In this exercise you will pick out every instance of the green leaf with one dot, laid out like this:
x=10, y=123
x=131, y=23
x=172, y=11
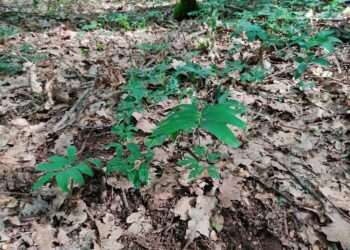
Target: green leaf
x=251, y=35
x=196, y=172
x=213, y=173
x=143, y=173
x=299, y=59
x=95, y=161
x=75, y=174
x=187, y=160
x=328, y=46
x=49, y=166
x=214, y=157
x=200, y=151
x=43, y=180
x=60, y=160
x=321, y=61
x=222, y=132
x=85, y=169
x=62, y=180
x=324, y=33
x=213, y=118
x=221, y=113
x=301, y=69
x=154, y=141
x=184, y=118
x=72, y=154
x=306, y=85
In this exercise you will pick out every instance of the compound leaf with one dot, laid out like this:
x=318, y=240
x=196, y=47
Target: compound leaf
x=222, y=132
x=222, y=113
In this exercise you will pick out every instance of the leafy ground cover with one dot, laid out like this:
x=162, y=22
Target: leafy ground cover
x=121, y=128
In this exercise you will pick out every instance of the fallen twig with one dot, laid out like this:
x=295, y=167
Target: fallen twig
x=60, y=125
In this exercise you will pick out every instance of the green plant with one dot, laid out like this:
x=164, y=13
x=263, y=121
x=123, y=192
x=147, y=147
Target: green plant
x=100, y=46
x=85, y=52
x=36, y=3
x=6, y=32
x=130, y=162
x=324, y=39
x=91, y=26
x=213, y=118
x=124, y=132
x=254, y=75
x=193, y=71
x=65, y=170
x=154, y=47
x=304, y=86
x=198, y=164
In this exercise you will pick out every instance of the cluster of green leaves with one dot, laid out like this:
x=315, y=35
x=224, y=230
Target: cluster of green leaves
x=131, y=162
x=153, y=47
x=157, y=84
x=324, y=39
x=199, y=165
x=12, y=64
x=116, y=20
x=65, y=170
x=6, y=32
x=213, y=118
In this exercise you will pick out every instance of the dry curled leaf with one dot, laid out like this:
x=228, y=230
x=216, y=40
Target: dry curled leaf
x=182, y=207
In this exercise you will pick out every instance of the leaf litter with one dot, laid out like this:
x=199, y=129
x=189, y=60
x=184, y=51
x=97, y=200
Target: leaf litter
x=287, y=196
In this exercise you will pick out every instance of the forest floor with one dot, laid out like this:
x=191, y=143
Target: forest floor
x=62, y=75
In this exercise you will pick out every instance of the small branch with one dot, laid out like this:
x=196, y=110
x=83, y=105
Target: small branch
x=59, y=125
x=125, y=200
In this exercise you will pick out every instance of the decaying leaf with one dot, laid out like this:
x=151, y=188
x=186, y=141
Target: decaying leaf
x=109, y=233
x=43, y=236
x=230, y=190
x=139, y=223
x=338, y=231
x=35, y=85
x=146, y=126
x=200, y=215
x=182, y=207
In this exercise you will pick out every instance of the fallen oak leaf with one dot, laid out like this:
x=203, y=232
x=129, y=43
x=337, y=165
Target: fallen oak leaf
x=145, y=126
x=338, y=231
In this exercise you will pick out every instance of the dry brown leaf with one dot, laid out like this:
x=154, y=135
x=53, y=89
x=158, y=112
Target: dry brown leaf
x=109, y=232
x=63, y=141
x=160, y=155
x=43, y=236
x=62, y=237
x=33, y=80
x=338, y=231
x=139, y=223
x=20, y=123
x=77, y=216
x=200, y=217
x=145, y=126
x=182, y=207
x=230, y=190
